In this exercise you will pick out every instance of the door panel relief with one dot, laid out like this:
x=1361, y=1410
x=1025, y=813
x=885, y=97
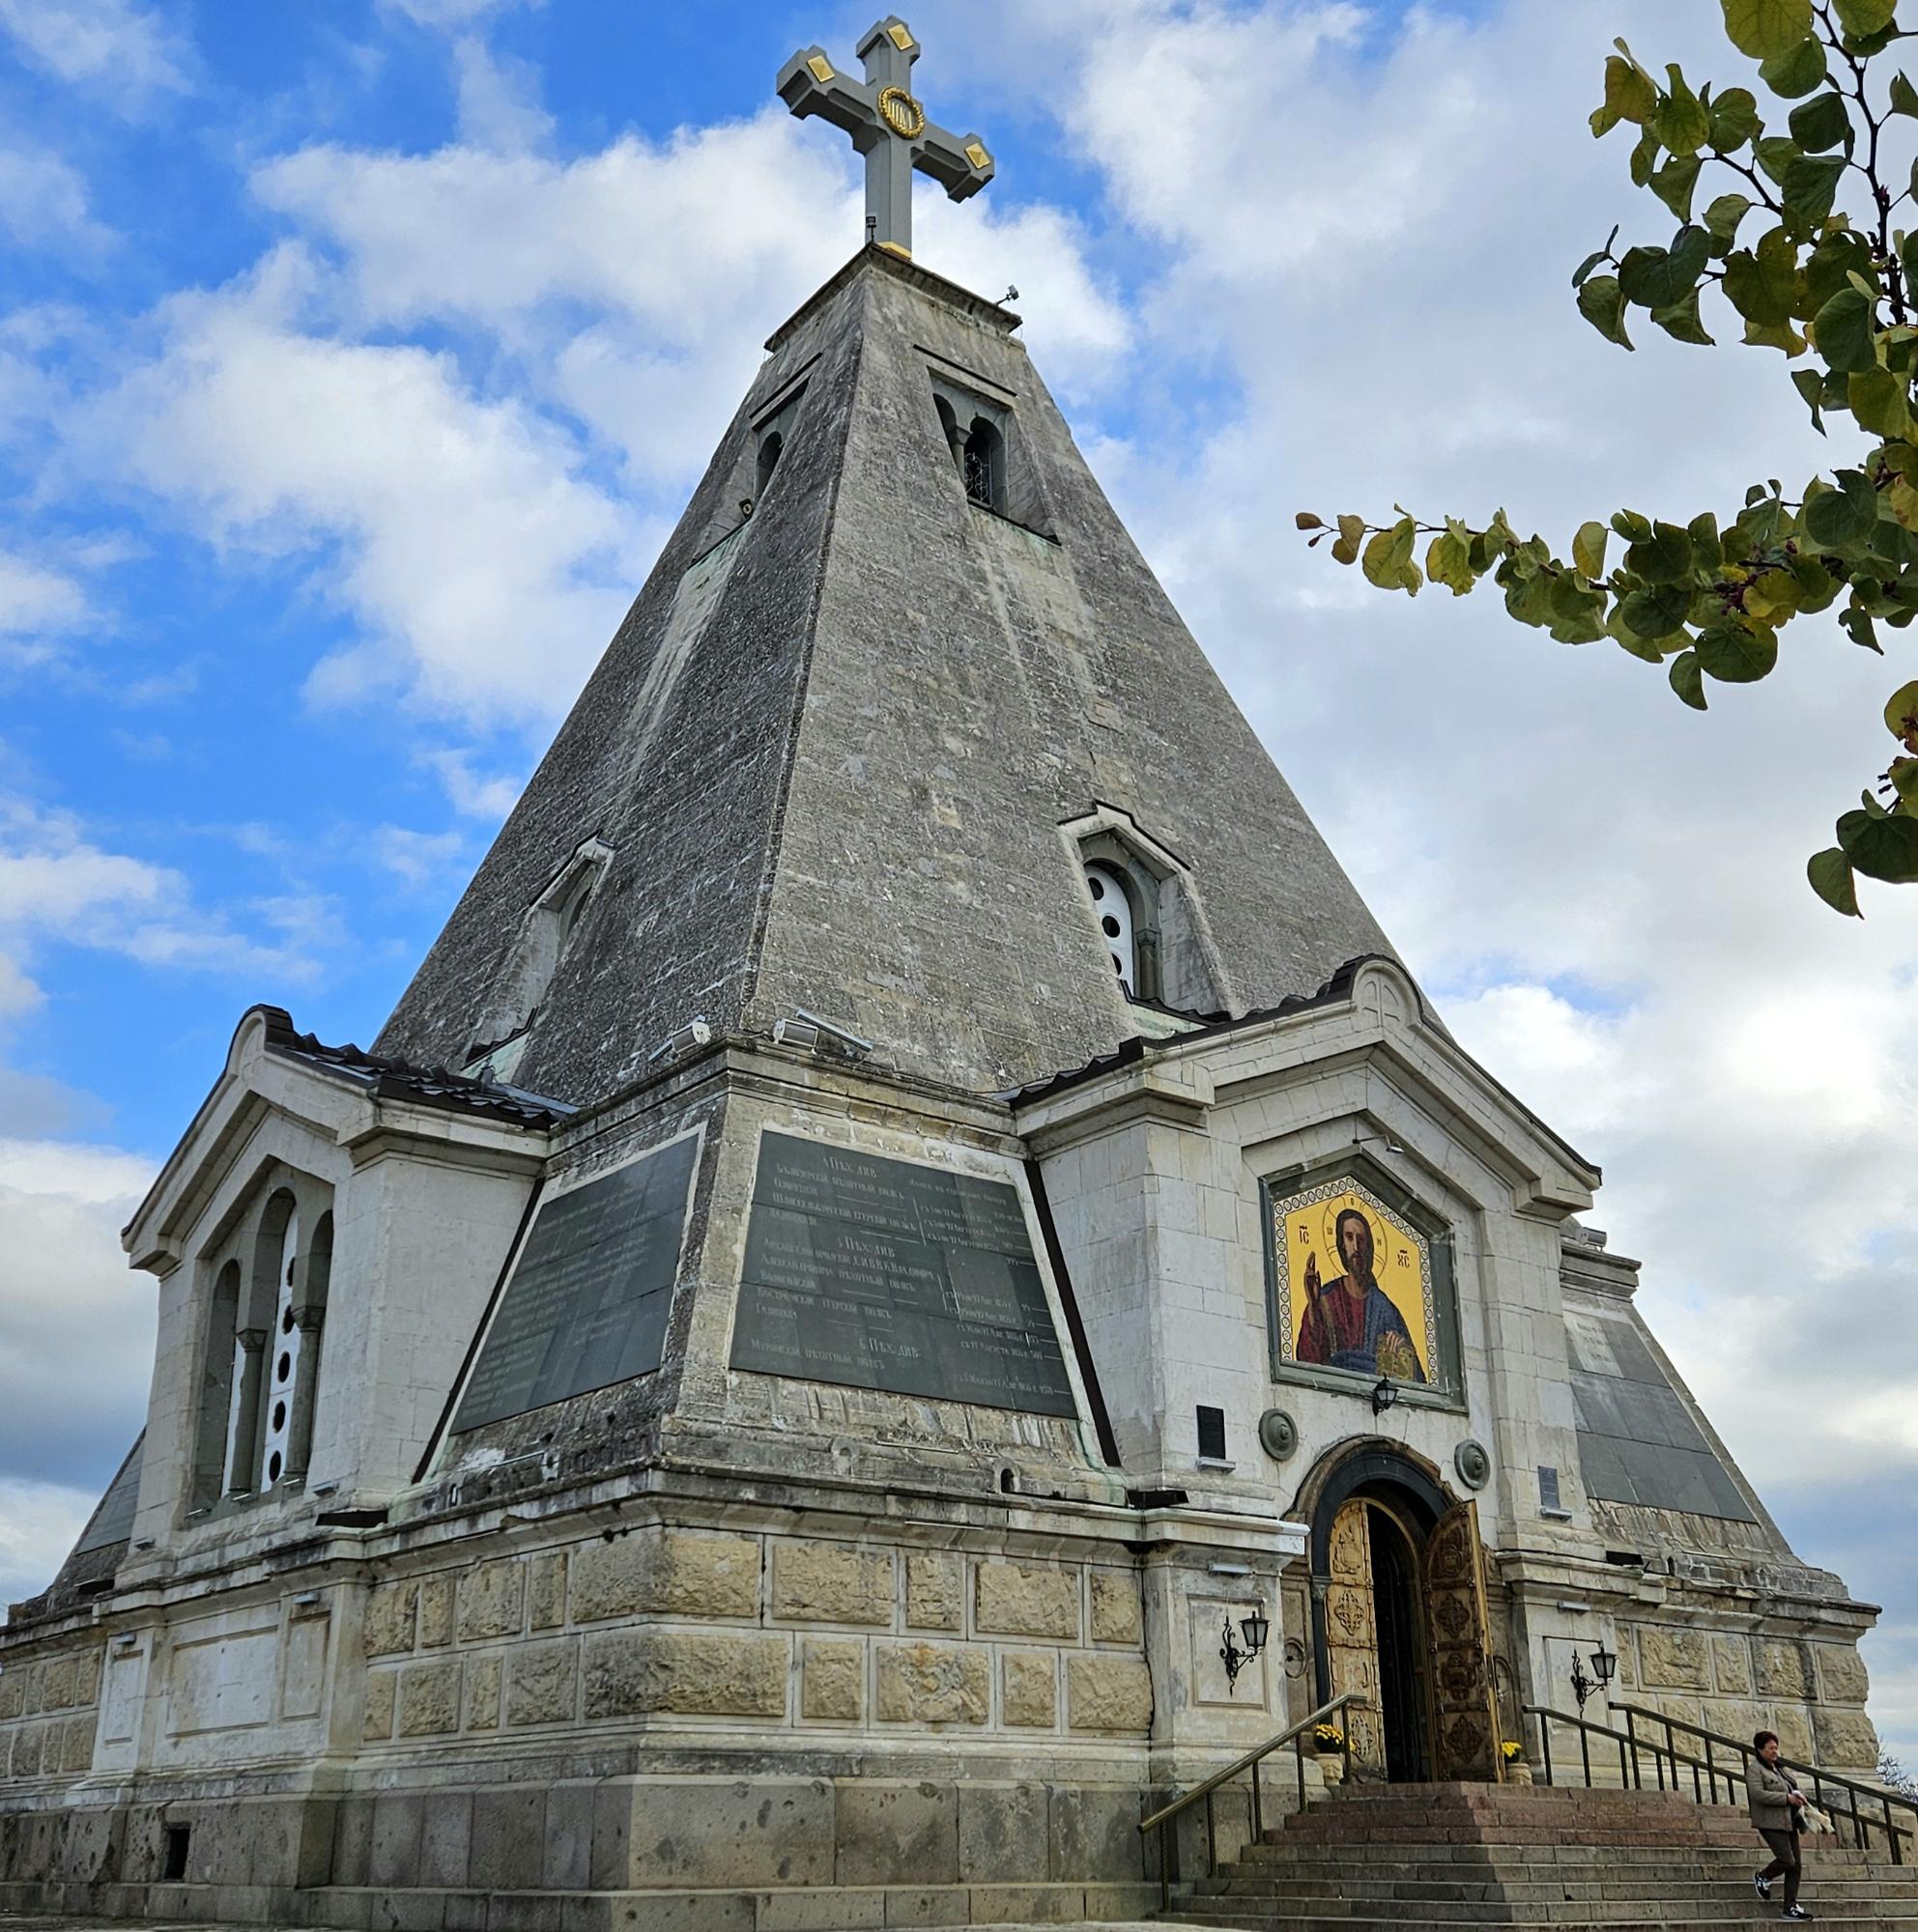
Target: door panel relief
x=1465, y=1740
x=1351, y=1635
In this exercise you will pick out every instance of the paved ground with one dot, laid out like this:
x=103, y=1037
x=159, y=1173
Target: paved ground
x=12, y=1921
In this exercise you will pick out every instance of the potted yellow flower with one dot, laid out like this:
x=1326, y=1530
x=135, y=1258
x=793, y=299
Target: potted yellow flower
x=1517, y=1771
x=1329, y=1740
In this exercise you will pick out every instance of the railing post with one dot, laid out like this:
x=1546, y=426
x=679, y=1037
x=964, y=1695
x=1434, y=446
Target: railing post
x=1299, y=1754
x=1165, y=1865
x=1710, y=1771
x=1585, y=1749
x=1632, y=1732
x=1545, y=1744
x=1258, y=1807
x=1212, y=1840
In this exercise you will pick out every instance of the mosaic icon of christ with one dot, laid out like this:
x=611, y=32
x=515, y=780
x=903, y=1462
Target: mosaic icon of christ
x=1350, y=1323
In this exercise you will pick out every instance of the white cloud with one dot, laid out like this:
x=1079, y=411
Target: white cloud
x=39, y=606
x=125, y=52
x=38, y=1523
x=418, y=857
x=498, y=101
x=474, y=794
x=43, y=204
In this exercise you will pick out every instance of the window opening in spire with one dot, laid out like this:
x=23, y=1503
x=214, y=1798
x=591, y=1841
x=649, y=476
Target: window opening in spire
x=949, y=428
x=770, y=447
x=984, y=464
x=1112, y=906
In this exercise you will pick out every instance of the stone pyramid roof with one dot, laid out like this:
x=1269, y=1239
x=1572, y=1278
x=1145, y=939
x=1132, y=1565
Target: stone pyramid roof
x=839, y=752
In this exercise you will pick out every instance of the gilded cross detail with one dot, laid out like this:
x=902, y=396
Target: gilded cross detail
x=888, y=125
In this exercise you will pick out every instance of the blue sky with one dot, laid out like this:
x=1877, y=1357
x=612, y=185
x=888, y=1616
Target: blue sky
x=353, y=368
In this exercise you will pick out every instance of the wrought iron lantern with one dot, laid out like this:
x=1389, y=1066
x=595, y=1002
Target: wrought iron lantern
x=1254, y=1629
x=1383, y=1394
x=1604, y=1665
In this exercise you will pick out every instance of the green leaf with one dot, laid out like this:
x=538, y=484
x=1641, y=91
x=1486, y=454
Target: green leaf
x=1818, y=587
x=1902, y=715
x=1588, y=550
x=1795, y=70
x=1674, y=183
x=1810, y=186
x=1903, y=97
x=1707, y=548
x=1843, y=331
x=1820, y=123
x=1834, y=517
x=1388, y=558
x=1656, y=613
x=1687, y=679
x=1734, y=118
x=1603, y=305
x=1811, y=386
x=1632, y=527
x=1764, y=28
x=1830, y=874
x=1881, y=848
x=1856, y=624
x=1581, y=273
x=1679, y=119
x=1775, y=154
x=1448, y=561
x=1658, y=277
x=1880, y=400
x=1665, y=558
x=1629, y=96
x=1734, y=655
x=1643, y=158
x=1861, y=17
x=1681, y=322
x=1757, y=290
x=1723, y=216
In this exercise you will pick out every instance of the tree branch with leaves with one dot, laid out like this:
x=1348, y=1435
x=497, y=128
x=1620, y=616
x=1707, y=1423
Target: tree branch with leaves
x=1838, y=299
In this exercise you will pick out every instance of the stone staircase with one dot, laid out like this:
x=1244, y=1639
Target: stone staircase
x=1448, y=1856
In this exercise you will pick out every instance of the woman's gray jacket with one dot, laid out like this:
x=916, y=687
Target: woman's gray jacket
x=1767, y=1795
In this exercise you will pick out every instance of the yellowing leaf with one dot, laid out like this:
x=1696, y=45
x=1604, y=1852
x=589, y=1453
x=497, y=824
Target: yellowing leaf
x=1351, y=534
x=1448, y=561
x=1766, y=28
x=1902, y=715
x=1588, y=550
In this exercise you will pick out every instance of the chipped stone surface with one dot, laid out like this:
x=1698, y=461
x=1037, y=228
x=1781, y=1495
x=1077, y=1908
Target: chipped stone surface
x=1678, y=1660
x=1842, y=1678
x=1107, y=1694
x=1793, y=1726
x=1024, y=1600
x=934, y=1591
x=832, y=1680
x=482, y=1692
x=546, y=1590
x=933, y=1684
x=1784, y=1669
x=719, y=1674
x=1116, y=1615
x=1029, y=1688
x=1846, y=1740
x=389, y=1619
x=429, y=1699
x=490, y=1599
x=1731, y=1663
x=673, y=1571
x=540, y=1682
x=381, y=1688
x=832, y=1583
x=436, y=1612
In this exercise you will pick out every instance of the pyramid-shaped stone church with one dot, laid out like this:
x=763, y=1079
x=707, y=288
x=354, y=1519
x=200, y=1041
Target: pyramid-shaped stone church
x=910, y=1210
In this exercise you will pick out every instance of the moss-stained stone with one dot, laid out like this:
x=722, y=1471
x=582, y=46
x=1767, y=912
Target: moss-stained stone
x=492, y=1599
x=389, y=1619
x=933, y=1684
x=429, y=1699
x=712, y=1673
x=934, y=1591
x=832, y=1583
x=1846, y=1740
x=13, y=1692
x=1678, y=1660
x=76, y=1736
x=86, y=1676
x=436, y=1612
x=1116, y=1615
x=832, y=1680
x=673, y=1571
x=1029, y=1688
x=482, y=1692
x=546, y=1590
x=540, y=1682
x=1023, y=1600
x=1731, y=1662
x=56, y=1686
x=26, y=1751
x=1739, y=1719
x=1793, y=1726
x=381, y=1686
x=1784, y=1669
x=1107, y=1694
x=1842, y=1678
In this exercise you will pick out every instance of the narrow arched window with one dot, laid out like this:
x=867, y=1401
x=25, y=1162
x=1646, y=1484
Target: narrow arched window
x=770, y=447
x=1112, y=906
x=985, y=463
x=949, y=428
x=218, y=1387
x=282, y=1358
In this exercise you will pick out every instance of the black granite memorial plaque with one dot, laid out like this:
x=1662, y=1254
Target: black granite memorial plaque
x=587, y=1300
x=880, y=1274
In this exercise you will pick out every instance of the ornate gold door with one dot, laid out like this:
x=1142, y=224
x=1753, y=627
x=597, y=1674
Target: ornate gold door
x=1465, y=1737
x=1352, y=1637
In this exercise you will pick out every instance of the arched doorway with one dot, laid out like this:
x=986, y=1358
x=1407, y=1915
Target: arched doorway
x=1399, y=1616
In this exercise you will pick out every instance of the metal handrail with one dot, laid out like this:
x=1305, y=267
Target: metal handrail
x=1294, y=1736
x=1707, y=1770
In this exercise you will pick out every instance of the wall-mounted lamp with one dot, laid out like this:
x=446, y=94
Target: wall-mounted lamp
x=1254, y=1629
x=1385, y=1141
x=696, y=1032
x=1383, y=1395
x=1604, y=1663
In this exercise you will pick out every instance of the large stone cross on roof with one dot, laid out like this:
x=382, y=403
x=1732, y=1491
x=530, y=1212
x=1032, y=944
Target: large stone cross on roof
x=888, y=125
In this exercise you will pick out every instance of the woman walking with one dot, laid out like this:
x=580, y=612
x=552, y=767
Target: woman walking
x=1776, y=1806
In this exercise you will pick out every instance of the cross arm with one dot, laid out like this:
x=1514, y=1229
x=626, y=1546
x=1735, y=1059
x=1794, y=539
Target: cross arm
x=959, y=163
x=809, y=84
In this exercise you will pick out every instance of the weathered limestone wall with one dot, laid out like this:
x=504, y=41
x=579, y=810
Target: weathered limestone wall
x=50, y=1709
